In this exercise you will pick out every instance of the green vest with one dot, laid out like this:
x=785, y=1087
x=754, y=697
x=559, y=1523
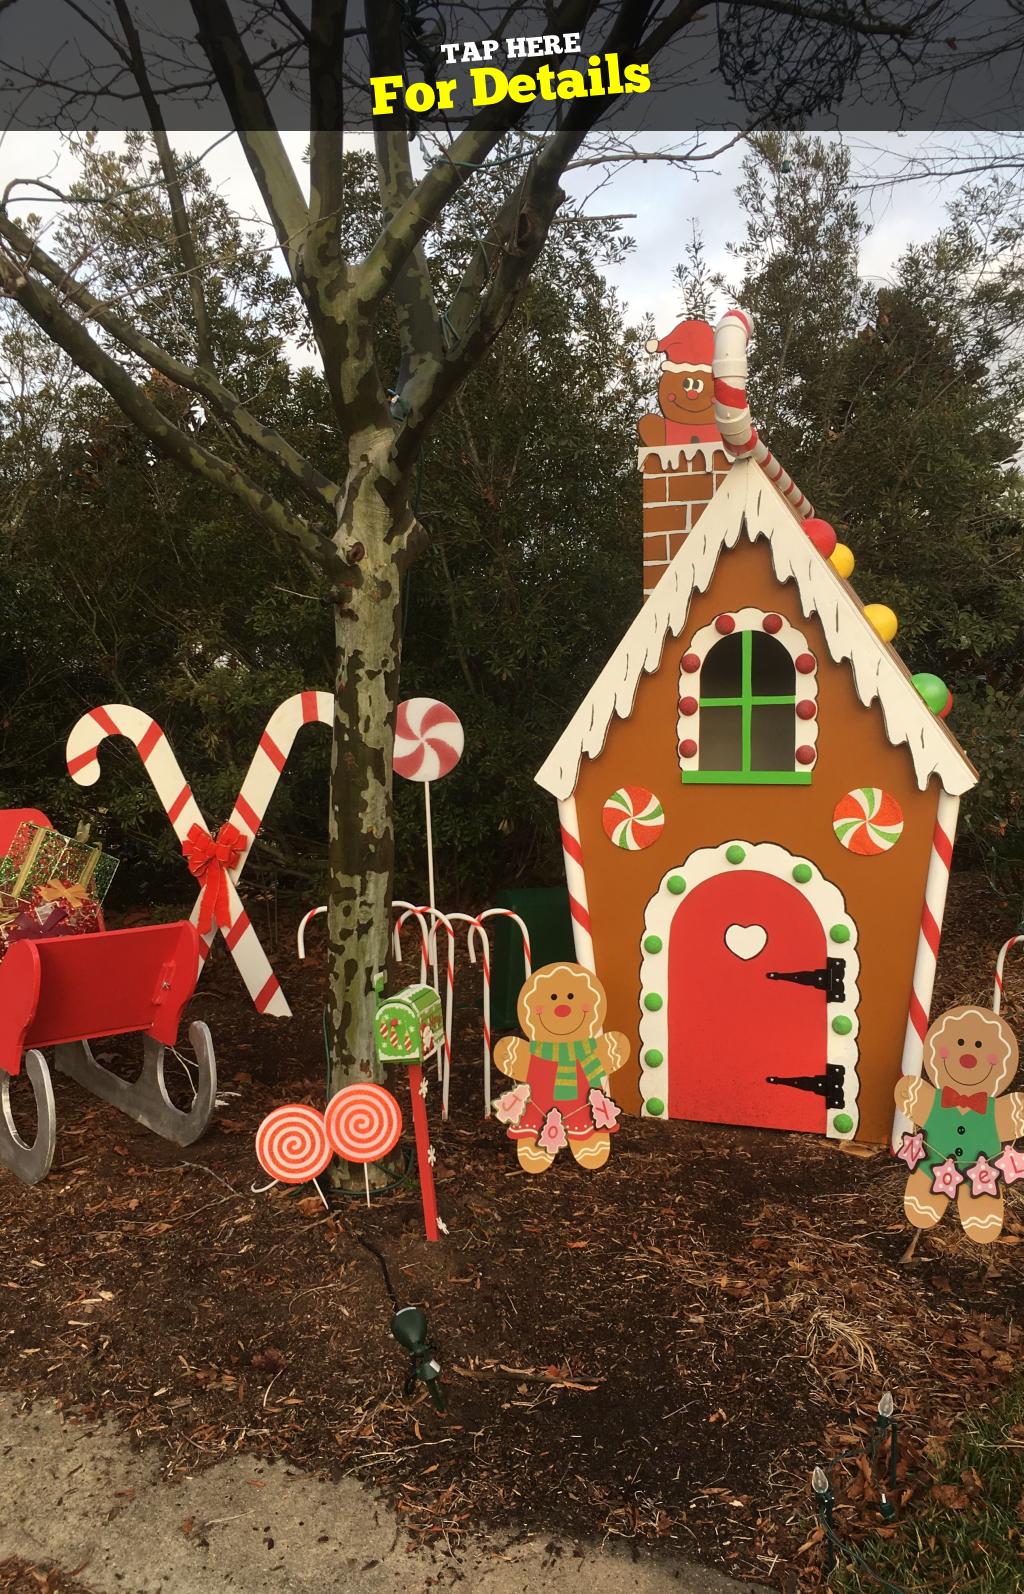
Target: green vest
x=964, y=1136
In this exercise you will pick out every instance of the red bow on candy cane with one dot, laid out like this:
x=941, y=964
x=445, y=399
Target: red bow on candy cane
x=210, y=862
x=953, y=1098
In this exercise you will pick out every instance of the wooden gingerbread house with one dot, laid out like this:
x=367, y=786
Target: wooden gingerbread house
x=757, y=805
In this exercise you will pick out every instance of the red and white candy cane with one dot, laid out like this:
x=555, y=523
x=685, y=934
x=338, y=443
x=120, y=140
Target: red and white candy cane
x=732, y=412
x=307, y=918
x=441, y=920
x=275, y=744
x=935, y=889
x=997, y=988
x=271, y=755
x=506, y=913
x=175, y=794
x=576, y=881
x=476, y=935
x=407, y=910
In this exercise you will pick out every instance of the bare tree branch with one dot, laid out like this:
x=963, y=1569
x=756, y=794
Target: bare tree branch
x=46, y=311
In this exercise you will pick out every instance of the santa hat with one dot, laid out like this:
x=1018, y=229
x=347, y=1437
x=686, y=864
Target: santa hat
x=688, y=347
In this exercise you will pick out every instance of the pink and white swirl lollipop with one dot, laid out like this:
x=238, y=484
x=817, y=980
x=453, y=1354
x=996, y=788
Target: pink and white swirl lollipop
x=429, y=739
x=292, y=1144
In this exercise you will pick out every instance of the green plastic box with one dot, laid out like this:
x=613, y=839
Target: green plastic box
x=545, y=912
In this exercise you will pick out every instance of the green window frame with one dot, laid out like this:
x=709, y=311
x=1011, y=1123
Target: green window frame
x=747, y=701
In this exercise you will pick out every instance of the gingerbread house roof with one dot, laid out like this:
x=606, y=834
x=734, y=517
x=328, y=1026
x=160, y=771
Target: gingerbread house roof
x=747, y=505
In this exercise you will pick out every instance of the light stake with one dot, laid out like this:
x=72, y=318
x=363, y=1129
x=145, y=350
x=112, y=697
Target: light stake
x=826, y=1505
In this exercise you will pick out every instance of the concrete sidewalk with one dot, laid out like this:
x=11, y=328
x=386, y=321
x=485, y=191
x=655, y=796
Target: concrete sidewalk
x=80, y=1498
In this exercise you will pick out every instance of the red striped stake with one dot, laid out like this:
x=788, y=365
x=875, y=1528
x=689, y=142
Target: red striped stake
x=419, y=1123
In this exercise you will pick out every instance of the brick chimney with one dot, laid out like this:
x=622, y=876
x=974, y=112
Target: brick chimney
x=680, y=479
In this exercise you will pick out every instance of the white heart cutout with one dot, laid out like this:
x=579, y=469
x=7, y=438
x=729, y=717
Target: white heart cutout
x=746, y=940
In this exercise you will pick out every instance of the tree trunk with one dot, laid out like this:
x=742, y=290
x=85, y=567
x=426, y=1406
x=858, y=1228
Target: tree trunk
x=361, y=822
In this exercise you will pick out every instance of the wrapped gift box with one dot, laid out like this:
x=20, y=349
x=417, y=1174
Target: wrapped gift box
x=51, y=885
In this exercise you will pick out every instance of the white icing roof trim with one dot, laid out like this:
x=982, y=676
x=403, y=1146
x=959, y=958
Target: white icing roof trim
x=747, y=503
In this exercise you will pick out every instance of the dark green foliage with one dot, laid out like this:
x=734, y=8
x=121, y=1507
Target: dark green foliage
x=897, y=408
x=123, y=580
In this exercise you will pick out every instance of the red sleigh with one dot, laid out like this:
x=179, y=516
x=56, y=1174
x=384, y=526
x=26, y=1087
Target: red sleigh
x=69, y=990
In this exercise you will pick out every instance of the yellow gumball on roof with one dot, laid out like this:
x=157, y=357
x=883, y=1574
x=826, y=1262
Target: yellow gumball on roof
x=883, y=620
x=842, y=561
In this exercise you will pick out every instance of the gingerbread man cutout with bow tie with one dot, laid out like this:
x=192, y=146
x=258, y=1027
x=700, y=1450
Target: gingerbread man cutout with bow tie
x=961, y=1145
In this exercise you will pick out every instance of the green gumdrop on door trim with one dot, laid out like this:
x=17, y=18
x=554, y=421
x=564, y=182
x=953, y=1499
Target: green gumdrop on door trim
x=841, y=1024
x=655, y=1107
x=802, y=873
x=652, y=1001
x=653, y=943
x=653, y=1058
x=843, y=1122
x=735, y=853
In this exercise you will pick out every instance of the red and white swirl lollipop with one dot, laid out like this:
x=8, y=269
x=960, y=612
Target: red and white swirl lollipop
x=363, y=1122
x=292, y=1144
x=429, y=739
x=428, y=744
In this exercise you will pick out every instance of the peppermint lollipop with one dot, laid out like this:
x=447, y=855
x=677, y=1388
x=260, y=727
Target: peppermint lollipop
x=363, y=1124
x=291, y=1144
x=633, y=818
x=868, y=821
x=428, y=744
x=428, y=739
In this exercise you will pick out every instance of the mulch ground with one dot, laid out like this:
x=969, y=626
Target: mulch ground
x=658, y=1353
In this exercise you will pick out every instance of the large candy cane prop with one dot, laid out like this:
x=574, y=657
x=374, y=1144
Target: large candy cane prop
x=175, y=794
x=506, y=913
x=997, y=988
x=935, y=889
x=732, y=412
x=268, y=761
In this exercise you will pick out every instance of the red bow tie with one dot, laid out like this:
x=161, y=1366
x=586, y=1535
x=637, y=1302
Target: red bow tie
x=953, y=1098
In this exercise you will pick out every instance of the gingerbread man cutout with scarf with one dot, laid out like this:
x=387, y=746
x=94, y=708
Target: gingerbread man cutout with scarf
x=561, y=1069
x=960, y=1147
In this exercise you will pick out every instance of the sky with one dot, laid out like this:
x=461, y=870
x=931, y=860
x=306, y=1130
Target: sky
x=659, y=202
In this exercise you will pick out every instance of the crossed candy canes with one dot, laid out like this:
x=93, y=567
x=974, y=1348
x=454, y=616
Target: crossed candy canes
x=175, y=794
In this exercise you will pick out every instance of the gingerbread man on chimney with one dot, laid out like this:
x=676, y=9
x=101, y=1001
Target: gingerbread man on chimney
x=685, y=390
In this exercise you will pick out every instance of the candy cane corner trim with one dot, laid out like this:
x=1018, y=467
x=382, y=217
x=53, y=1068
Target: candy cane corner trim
x=929, y=936
x=828, y=903
x=732, y=409
x=576, y=881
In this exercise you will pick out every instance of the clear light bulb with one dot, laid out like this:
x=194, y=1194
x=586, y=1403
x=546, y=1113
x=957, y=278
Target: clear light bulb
x=819, y=1481
x=885, y=1405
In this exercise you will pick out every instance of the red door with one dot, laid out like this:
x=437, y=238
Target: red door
x=730, y=1027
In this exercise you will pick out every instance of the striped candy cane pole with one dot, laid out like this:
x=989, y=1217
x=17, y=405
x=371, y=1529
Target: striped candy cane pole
x=732, y=412
x=935, y=889
x=175, y=794
x=421, y=916
x=997, y=988
x=506, y=913
x=477, y=934
x=442, y=920
x=576, y=881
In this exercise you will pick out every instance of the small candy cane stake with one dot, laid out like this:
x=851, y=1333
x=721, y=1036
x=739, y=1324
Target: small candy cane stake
x=441, y=919
x=997, y=989
x=421, y=915
x=506, y=913
x=300, y=939
x=474, y=934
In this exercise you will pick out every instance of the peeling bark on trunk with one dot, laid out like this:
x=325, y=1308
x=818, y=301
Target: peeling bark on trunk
x=361, y=822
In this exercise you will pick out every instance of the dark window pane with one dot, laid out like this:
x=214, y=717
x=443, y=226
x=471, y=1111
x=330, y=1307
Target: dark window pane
x=721, y=738
x=771, y=668
x=722, y=673
x=772, y=736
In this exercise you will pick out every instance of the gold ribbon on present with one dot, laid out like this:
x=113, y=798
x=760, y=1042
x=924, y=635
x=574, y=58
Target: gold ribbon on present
x=61, y=891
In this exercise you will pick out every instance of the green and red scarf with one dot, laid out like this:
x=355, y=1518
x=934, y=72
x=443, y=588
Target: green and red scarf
x=569, y=1055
